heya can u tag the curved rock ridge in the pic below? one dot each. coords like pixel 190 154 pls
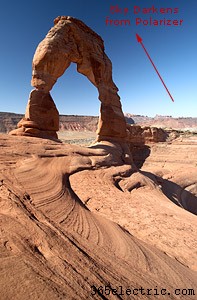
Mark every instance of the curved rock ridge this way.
pixel 70 40
pixel 53 247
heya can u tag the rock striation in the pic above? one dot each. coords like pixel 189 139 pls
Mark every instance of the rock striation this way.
pixel 78 123
pixel 74 217
pixel 9 121
pixel 70 40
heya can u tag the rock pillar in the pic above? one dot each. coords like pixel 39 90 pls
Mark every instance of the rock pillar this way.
pixel 41 117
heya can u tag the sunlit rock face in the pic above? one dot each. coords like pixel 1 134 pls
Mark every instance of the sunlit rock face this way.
pixel 70 40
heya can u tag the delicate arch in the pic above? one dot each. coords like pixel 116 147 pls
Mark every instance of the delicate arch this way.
pixel 70 40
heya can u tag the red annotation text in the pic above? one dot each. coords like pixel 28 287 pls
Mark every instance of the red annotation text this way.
pixel 144 16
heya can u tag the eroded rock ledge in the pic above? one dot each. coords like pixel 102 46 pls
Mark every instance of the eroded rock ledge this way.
pixel 57 235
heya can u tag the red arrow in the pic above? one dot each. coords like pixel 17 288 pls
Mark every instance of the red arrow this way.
pixel 139 39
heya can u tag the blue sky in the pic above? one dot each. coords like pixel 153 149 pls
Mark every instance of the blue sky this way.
pixel 172 48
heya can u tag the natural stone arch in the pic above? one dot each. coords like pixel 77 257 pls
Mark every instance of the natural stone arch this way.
pixel 70 40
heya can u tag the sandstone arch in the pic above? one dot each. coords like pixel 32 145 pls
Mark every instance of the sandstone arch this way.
pixel 70 40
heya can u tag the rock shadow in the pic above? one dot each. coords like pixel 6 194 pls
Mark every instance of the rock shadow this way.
pixel 140 154
pixel 174 192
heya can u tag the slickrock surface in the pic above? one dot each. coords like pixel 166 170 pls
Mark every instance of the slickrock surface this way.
pixel 70 40
pixel 57 207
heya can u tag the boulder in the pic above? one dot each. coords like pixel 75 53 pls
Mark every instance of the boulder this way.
pixel 140 135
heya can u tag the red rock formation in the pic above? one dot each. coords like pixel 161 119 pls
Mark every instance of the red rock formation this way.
pixel 41 117
pixel 70 40
pixel 140 135
pixel 57 204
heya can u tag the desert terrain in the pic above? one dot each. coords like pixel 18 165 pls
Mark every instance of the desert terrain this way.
pixel 8 122
pixel 109 214
pixel 73 217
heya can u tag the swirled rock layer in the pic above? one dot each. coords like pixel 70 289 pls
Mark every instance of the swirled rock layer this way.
pixel 52 246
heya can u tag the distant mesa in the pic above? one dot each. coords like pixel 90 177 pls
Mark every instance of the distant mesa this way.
pixel 8 122
pixel 70 40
